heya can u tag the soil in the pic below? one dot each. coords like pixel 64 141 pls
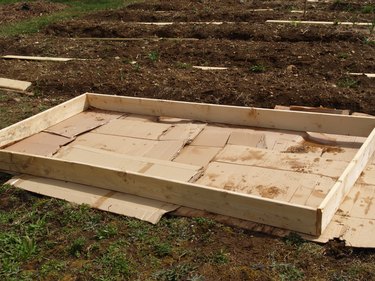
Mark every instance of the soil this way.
pixel 268 65
pixel 26 10
pixel 302 64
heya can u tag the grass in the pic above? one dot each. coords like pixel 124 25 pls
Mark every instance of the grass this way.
pixel 74 9
pixel 257 68
pixel 347 82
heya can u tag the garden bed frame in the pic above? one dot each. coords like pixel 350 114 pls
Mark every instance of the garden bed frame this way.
pixel 268 211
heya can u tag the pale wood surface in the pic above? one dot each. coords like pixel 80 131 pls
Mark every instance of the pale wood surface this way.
pixel 320 22
pixel 15 85
pixel 37 58
pixel 298 218
pixel 116 202
pixel 246 116
pixel 43 120
pixel 346 181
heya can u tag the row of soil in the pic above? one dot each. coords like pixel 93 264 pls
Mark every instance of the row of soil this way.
pixel 228 13
pixel 267 32
pixel 311 58
pixel 161 80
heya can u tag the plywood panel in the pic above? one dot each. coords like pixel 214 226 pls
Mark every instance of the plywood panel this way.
pixel 197 155
pixel 43 144
pixel 298 162
pixel 268 183
pixel 213 136
pixel 133 128
pixel 83 122
pixel 143 165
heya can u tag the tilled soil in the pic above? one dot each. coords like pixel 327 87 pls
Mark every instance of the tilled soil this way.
pixel 25 10
pixel 268 64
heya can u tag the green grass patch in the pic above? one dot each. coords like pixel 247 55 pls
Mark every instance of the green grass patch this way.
pixel 74 9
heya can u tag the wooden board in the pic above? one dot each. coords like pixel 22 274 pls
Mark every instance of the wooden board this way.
pixel 320 22
pixel 245 116
pixel 43 120
pixel 346 181
pixel 14 85
pixel 37 58
pixel 299 218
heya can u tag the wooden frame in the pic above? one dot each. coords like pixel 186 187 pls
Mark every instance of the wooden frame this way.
pixel 268 211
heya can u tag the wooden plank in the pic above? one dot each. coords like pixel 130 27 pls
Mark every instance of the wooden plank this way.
pixel 246 116
pixel 43 120
pixel 369 75
pixel 320 22
pixel 38 58
pixel 209 67
pixel 139 39
pixel 14 85
pixel 272 212
pixel 346 181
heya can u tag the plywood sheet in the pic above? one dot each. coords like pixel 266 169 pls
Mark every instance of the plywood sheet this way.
pixel 133 128
pixel 143 165
pixel 268 183
pixel 183 131
pixel 102 199
pixel 43 144
pixel 165 150
pixel 213 136
pixel 298 162
pixel 15 85
pixel 253 139
pixel 197 155
pixel 83 122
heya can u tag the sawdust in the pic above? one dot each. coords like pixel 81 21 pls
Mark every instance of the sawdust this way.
pixel 269 191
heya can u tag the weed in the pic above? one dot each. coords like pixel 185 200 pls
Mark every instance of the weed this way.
pixel 52 266
pixel 162 249
pixel 220 257
pixel 77 246
pixel 114 263
pixel 288 272
pixel 293 239
pixel 257 68
pixel 153 56
pixel 183 65
pixel 347 82
pixel 368 9
pixel 179 272
pixel 106 232
pixel 343 56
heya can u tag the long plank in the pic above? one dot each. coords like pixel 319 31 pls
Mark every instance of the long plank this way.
pixel 320 22
pixel 37 58
pixel 369 75
pixel 137 39
pixel 272 212
pixel 43 120
pixel 342 187
pixel 234 115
